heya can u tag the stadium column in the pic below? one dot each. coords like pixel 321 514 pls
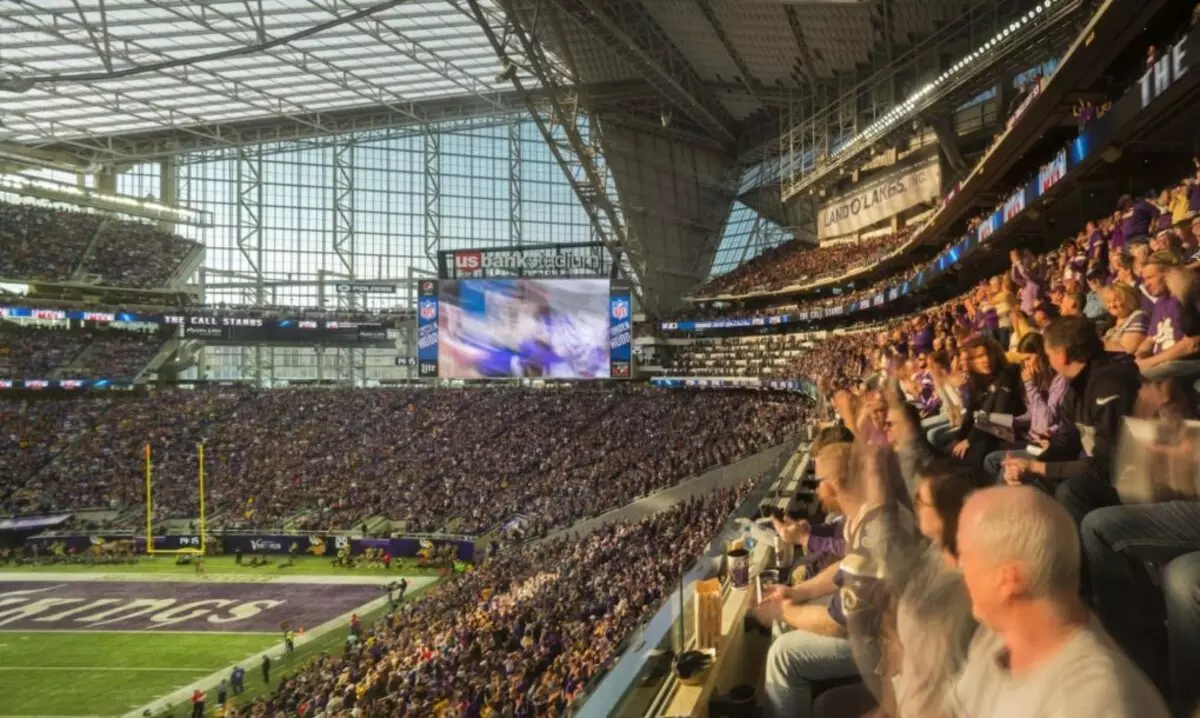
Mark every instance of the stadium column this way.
pixel 514 183
pixel 675 196
pixel 249 161
pixel 168 188
pixel 433 194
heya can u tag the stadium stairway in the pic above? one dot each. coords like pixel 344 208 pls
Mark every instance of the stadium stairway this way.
pixel 168 350
pixel 188 267
pixel 78 274
pixel 376 524
pixel 64 371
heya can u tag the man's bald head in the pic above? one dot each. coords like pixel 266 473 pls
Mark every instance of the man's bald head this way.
pixel 1017 543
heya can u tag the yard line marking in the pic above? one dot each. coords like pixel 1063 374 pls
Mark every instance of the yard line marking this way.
pixel 104 668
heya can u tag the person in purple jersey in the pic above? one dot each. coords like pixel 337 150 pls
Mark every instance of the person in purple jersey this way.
pixel 1171 343
pixel 1097 249
pixel 1137 216
pixel 1025 278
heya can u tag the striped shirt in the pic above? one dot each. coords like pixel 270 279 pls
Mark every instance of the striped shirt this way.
pixel 1135 323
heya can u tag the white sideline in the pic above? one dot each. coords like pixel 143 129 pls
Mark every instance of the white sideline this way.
pixel 251 663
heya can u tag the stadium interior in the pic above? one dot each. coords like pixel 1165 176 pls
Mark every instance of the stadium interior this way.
pixel 600 358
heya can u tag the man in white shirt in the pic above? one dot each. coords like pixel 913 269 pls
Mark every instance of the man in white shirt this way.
pixel 1038 653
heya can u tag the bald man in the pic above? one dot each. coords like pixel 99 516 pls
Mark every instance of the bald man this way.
pixel 1038 653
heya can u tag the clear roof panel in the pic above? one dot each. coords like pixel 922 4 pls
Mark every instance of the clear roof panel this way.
pixel 406 52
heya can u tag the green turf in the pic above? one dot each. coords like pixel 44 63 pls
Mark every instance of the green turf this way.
pixel 224 565
pixel 106 674
pixel 63 674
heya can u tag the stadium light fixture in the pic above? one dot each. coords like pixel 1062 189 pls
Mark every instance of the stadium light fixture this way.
pixel 905 108
pixel 22 184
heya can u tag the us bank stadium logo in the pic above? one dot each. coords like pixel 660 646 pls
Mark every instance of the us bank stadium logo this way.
pixel 620 310
pixel 428 310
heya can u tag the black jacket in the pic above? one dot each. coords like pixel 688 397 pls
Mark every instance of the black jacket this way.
pixel 1096 402
pixel 1005 394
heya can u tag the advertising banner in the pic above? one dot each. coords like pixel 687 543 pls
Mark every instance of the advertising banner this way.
pixel 620 312
pixel 365 288
pixel 273 544
pixel 880 200
pixel 589 259
pixel 427 329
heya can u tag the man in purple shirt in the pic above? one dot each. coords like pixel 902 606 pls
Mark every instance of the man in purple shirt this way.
pixel 1170 346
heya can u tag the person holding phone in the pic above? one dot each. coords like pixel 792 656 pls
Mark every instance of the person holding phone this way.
pixel 1044 394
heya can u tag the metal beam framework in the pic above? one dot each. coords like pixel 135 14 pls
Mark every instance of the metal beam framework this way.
pixel 514 185
pixel 249 212
pixel 815 132
pixel 802 48
pixel 433 196
pixel 628 29
pixel 579 158
pixel 343 203
pixel 365 51
pixel 749 81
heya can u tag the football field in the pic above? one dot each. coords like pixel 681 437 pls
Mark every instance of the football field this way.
pixel 114 641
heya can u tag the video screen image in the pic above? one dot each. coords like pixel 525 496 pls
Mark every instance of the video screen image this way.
pixel 496 328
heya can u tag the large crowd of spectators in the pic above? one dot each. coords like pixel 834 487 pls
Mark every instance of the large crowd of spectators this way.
pixel 49 244
pixel 41 243
pixel 460 460
pixel 1009 466
pixel 42 352
pixel 116 354
pixel 796 261
pixel 35 352
pixel 522 634
pixel 136 254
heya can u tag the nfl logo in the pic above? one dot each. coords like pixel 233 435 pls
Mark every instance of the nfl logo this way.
pixel 620 310
pixel 428 310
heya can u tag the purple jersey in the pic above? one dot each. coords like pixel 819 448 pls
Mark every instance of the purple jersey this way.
pixel 1166 323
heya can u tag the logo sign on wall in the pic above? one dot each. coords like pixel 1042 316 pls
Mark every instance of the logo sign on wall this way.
pixel 620 317
pixel 880 200
pixel 365 288
pixel 427 329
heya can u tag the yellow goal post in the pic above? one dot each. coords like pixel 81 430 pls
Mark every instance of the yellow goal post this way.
pixel 194 550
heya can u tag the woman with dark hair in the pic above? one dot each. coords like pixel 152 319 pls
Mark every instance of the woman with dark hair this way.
pixel 942 487
pixel 993 387
pixel 1044 394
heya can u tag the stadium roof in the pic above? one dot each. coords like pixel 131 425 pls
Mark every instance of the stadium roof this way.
pixel 135 78
pixel 123 67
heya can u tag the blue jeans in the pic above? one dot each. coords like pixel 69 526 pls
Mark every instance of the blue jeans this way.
pixel 940 434
pixel 1119 542
pixel 796 661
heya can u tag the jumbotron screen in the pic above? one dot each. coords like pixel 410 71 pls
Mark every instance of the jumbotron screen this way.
pixel 499 328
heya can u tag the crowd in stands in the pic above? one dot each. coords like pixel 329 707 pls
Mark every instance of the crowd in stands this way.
pixel 49 244
pixel 795 261
pixel 462 460
pixel 35 352
pixel 116 355
pixel 522 634
pixel 1013 477
pixel 765 356
pixel 136 254
pixel 44 244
